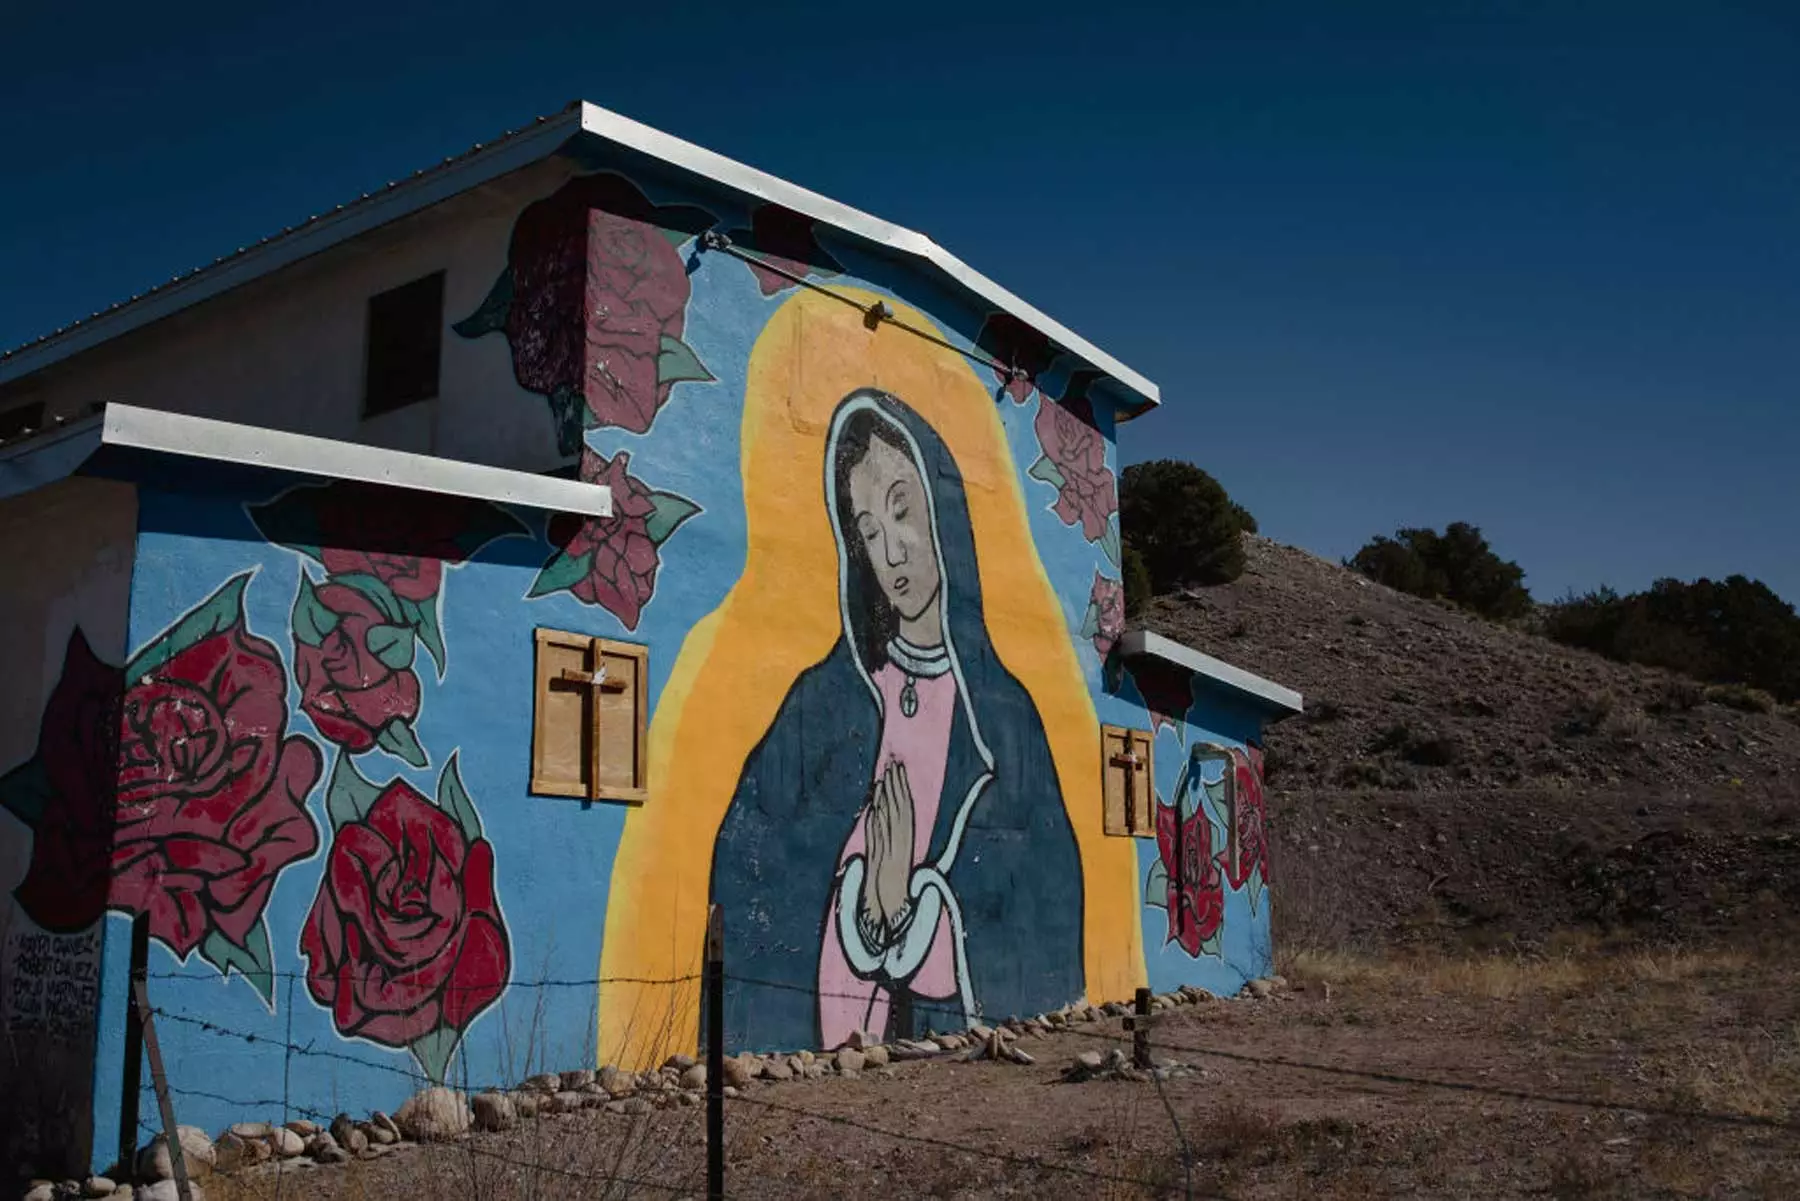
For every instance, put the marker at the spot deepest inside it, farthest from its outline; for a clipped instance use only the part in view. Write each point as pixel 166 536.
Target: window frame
pixel 372 405
pixel 595 650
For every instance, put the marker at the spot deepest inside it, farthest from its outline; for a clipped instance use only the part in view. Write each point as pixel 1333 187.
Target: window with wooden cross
pixel 587 729
pixel 1125 757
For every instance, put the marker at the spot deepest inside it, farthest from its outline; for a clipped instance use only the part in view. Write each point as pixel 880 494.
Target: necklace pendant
pixel 909 698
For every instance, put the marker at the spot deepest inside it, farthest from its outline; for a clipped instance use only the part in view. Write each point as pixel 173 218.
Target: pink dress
pixel 849 1002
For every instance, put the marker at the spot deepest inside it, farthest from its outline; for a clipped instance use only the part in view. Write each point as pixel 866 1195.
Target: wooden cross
pixel 595 682
pixel 1131 763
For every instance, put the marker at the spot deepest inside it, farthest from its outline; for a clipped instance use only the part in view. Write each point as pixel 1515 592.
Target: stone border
pixel 441 1114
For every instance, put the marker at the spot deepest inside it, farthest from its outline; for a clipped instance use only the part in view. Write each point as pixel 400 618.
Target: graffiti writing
pixel 52 989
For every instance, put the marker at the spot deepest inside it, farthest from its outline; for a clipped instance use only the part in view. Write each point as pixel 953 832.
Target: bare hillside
pixel 1456 778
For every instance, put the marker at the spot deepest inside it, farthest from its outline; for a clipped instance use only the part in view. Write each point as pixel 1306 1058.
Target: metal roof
pixel 513 150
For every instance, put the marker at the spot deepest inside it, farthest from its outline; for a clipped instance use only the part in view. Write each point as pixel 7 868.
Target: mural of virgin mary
pixel 896 852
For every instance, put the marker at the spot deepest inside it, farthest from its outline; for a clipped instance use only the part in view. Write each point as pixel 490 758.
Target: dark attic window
pixel 405 336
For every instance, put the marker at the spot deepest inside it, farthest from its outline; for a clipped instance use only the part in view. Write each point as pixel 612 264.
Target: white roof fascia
pixel 1145 642
pixel 131 428
pixel 397 200
pixel 760 184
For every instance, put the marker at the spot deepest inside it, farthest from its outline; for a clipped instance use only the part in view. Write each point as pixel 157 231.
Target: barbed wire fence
pixel 663 1150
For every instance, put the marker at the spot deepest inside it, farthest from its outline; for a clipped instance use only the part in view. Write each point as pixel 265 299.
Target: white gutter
pixel 1145 643
pixel 128 427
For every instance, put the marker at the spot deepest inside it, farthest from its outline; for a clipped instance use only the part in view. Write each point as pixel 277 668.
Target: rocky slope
pixel 1457 779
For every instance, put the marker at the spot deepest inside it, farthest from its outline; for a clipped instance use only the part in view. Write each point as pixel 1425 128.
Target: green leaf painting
pixel 376 590
pixel 1047 472
pixel 676 362
pixel 348 796
pixel 254 961
pixel 397 739
pixel 393 645
pixel 312 621
pixel 422 616
pixel 667 512
pixel 454 799
pixel 214 615
pixel 434 1051
pixel 560 573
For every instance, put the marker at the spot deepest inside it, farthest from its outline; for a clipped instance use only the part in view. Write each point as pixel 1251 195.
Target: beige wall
pixel 287 351
pixel 68 550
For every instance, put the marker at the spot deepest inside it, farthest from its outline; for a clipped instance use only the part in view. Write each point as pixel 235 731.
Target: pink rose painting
pixel 612 561
pixel 593 303
pixel 1105 618
pixel 1074 463
pixel 405 943
pixel 1246 856
pixel 783 238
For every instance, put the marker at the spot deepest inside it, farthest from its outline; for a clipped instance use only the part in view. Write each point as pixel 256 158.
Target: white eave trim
pixel 611 126
pixel 1136 643
pixel 131 428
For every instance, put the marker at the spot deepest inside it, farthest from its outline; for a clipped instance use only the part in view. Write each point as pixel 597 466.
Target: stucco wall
pixel 62 623
pixel 848 550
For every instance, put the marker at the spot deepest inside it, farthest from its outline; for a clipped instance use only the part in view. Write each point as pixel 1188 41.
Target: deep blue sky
pixel 1534 266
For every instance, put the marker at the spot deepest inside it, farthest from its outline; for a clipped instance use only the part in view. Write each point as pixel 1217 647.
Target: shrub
pixel 1456 566
pixel 1137 580
pixel 1736 631
pixel 1183 523
pixel 1741 698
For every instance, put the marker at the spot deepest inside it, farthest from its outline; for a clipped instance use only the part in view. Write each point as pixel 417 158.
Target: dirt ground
pixel 1580 1073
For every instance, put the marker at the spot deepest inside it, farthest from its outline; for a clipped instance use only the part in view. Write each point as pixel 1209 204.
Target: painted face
pixel 893 521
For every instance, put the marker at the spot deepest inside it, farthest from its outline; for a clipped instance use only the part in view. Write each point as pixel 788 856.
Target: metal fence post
pixel 171 1132
pixel 714 986
pixel 133 1080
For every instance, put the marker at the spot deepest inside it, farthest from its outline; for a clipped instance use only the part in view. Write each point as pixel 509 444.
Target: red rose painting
pixel 612 561
pixel 353 662
pixel 212 789
pixel 392 544
pixel 1193 890
pixel 1246 858
pixel 1074 463
pixel 593 303
pixel 1105 619
pixel 405 942
pixel 66 794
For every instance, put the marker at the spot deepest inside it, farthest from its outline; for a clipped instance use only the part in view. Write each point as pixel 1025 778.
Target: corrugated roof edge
pixel 513 150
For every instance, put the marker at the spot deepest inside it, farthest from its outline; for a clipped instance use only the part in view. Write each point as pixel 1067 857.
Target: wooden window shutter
pixel 588 735
pixel 1126 777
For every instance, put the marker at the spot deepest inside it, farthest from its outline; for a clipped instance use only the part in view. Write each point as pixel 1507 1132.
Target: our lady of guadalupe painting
pixel 896 852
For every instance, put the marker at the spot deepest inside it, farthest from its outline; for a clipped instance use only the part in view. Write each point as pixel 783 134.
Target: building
pixel 415 620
